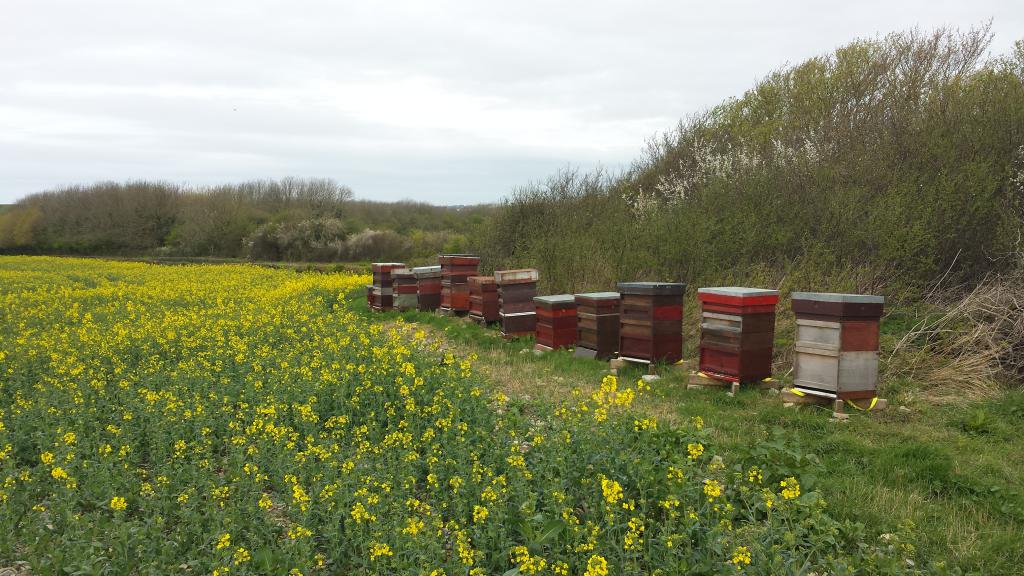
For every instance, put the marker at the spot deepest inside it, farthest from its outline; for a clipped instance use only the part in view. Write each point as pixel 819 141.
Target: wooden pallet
pixel 705 380
pixel 794 396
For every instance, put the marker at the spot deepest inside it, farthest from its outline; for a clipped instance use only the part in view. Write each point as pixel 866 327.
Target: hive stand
pixel 793 396
pixel 702 380
pixel 616 363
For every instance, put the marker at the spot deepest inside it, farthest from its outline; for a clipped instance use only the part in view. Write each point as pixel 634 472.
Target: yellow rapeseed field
pixel 242 420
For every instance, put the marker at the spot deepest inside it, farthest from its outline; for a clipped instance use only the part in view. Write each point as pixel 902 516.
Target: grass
pixel 952 470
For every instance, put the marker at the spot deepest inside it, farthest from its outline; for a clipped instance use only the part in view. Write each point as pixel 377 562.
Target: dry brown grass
pixel 973 349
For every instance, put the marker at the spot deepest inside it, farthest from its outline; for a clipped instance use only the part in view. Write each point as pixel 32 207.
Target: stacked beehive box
pixel 651 324
pixel 428 287
pixel 383 285
pixel 737 333
pixel 556 321
pixel 483 299
pixel 837 344
pixel 516 289
pixel 598 324
pixel 455 272
pixel 404 282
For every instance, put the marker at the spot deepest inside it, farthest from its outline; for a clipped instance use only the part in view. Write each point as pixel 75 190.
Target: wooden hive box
pixel 516 311
pixel 651 321
pixel 556 321
pixel 428 287
pixel 598 318
pixel 837 344
pixel 483 299
pixel 404 282
pixel 737 332
pixel 383 285
pixel 455 272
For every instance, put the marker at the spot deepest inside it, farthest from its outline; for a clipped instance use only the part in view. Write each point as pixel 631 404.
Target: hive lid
pixel 426 269
pixel 555 299
pixel 738 291
pixel 599 295
pixel 519 275
pixel 832 297
pixel 404 272
pixel 665 288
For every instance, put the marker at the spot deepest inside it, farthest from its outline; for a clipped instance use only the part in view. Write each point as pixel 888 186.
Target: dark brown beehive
pixel 651 322
pixel 556 321
pixel 737 332
pixel 598 320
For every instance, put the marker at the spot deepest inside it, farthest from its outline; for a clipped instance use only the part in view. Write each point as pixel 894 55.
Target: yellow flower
pixel 713 489
pixel 741 557
pixel 378 549
pixel 224 541
pixel 480 514
pixel 754 475
pixel 611 490
pixel 790 488
pixel 241 556
pixel 118 503
pixel 46 458
pixel 596 566
pixel 695 450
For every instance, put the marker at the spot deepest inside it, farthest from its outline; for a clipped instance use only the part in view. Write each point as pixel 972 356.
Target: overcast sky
pixel 447 102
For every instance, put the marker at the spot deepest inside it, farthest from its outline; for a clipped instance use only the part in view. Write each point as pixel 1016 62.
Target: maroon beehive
pixel 556 321
pixel 737 332
pixel 383 285
pixel 651 322
pixel 516 289
pixel 428 287
pixel 455 272
pixel 597 334
pixel 483 299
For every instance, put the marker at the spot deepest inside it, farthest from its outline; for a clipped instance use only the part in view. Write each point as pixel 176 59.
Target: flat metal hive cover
pixel 833 297
pixel 738 291
pixel 600 295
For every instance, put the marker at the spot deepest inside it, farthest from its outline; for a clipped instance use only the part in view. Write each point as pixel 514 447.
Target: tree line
pixel 892 161
pixel 291 219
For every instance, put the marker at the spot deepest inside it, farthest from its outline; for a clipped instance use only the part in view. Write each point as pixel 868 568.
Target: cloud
pixel 445 101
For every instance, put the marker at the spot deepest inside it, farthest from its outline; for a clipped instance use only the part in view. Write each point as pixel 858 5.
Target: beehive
pixel 455 272
pixel 556 321
pixel 737 332
pixel 369 295
pixel 516 289
pixel 483 299
pixel 597 334
pixel 651 322
pixel 383 285
pixel 428 287
pixel 404 282
pixel 837 344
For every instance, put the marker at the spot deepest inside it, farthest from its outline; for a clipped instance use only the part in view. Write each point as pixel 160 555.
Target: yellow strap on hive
pixel 868 409
pixel 797 391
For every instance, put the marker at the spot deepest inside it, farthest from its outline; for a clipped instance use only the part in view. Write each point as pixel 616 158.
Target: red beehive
pixel 651 324
pixel 737 332
pixel 428 287
pixel 597 334
pixel 383 285
pixel 516 289
pixel 455 272
pixel 483 299
pixel 556 321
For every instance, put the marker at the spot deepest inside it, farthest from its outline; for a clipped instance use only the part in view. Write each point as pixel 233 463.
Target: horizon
pixel 451 104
